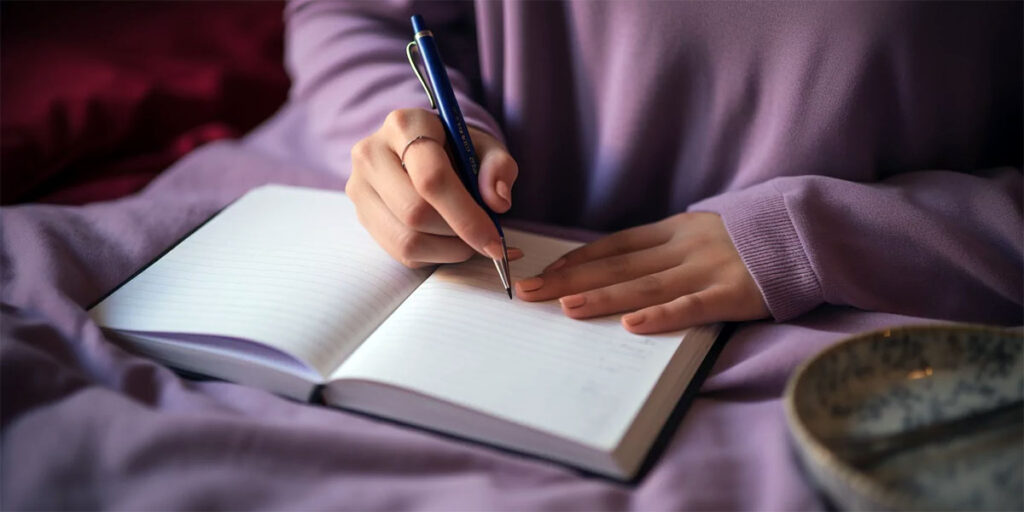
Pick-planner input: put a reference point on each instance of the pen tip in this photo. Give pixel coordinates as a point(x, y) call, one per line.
point(509, 290)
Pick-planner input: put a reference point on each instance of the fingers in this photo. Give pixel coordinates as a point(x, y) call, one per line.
point(620, 242)
point(676, 273)
point(434, 179)
point(498, 171)
point(596, 273)
point(698, 308)
point(386, 176)
point(515, 253)
point(646, 290)
point(412, 248)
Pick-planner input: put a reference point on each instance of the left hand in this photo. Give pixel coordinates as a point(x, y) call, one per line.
point(675, 273)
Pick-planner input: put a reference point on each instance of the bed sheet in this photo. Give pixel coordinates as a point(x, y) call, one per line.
point(87, 425)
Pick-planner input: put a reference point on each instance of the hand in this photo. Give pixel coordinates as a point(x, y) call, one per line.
point(675, 273)
point(422, 214)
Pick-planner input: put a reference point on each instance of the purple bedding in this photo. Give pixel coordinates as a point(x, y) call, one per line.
point(87, 425)
point(851, 148)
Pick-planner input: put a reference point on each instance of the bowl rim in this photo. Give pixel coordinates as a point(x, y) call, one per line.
point(859, 481)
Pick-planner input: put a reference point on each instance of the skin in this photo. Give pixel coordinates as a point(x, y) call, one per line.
point(671, 274)
point(675, 273)
point(422, 215)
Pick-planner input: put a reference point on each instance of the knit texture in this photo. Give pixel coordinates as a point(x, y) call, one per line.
point(770, 247)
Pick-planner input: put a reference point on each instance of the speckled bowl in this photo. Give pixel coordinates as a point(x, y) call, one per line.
point(884, 382)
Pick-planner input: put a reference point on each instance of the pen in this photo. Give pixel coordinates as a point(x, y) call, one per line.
point(464, 157)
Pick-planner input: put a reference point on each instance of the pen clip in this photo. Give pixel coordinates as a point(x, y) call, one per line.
point(416, 69)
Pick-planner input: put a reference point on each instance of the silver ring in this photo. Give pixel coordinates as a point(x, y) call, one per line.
point(413, 141)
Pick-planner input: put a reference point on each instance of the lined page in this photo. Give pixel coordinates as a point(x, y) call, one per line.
point(287, 267)
point(459, 338)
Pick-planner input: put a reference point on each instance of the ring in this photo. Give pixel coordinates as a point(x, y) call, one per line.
point(413, 141)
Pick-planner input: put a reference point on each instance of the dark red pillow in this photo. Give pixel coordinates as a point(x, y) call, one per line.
point(98, 97)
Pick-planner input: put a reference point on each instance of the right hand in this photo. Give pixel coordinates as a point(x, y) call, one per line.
point(422, 215)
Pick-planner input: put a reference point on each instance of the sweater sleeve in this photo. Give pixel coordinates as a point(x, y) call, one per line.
point(934, 244)
point(348, 65)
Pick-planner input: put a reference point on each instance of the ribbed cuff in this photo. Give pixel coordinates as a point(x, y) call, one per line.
point(758, 223)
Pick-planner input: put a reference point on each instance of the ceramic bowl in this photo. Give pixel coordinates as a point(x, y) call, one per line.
point(877, 385)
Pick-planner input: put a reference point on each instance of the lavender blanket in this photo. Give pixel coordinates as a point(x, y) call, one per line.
point(88, 425)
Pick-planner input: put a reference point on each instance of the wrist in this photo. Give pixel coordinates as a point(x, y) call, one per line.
point(759, 224)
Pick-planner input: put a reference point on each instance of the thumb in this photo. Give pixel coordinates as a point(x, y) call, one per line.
point(498, 171)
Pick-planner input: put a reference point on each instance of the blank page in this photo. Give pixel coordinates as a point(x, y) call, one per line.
point(459, 338)
point(287, 267)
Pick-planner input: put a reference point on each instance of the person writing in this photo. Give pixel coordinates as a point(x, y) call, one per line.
point(752, 160)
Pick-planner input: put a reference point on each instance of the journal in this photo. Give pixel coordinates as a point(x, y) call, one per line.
point(284, 290)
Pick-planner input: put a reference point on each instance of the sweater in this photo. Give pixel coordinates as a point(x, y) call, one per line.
point(860, 154)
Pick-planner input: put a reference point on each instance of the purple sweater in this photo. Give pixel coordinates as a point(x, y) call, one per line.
point(860, 154)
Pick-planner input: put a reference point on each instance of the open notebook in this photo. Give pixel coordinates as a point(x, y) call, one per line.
point(285, 290)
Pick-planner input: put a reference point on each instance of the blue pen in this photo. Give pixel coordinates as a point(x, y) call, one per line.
point(464, 157)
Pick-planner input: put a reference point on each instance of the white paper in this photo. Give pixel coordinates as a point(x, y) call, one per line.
point(286, 267)
point(459, 338)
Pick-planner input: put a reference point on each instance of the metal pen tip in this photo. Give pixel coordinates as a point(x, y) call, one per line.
point(503, 272)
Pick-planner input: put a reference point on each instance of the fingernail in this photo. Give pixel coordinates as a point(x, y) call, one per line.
point(531, 284)
point(494, 250)
point(559, 263)
point(503, 191)
point(573, 301)
point(514, 253)
point(633, 319)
